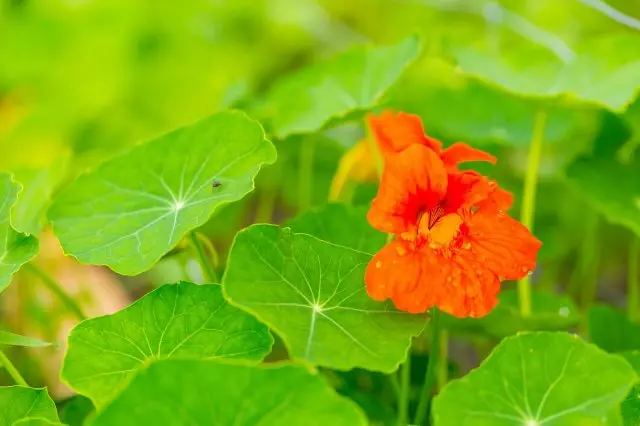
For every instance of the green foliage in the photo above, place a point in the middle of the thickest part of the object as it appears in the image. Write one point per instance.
(146, 200)
(611, 330)
(16, 248)
(170, 391)
(181, 320)
(543, 377)
(12, 339)
(25, 406)
(311, 292)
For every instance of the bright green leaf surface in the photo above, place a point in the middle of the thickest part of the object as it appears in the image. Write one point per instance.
(29, 213)
(611, 330)
(306, 100)
(133, 209)
(549, 312)
(554, 379)
(7, 338)
(342, 225)
(37, 421)
(631, 404)
(179, 392)
(617, 196)
(17, 403)
(184, 319)
(16, 249)
(312, 293)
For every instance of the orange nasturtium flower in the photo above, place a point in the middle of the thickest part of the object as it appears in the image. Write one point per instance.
(454, 242)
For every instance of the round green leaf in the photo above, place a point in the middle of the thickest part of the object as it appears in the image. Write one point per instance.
(312, 293)
(17, 403)
(631, 404)
(175, 392)
(178, 320)
(16, 248)
(342, 225)
(542, 378)
(8, 338)
(133, 209)
(611, 329)
(306, 100)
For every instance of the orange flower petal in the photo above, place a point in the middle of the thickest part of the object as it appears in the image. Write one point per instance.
(502, 244)
(394, 132)
(461, 153)
(413, 180)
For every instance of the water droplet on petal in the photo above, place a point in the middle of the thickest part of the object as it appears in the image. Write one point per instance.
(401, 251)
(378, 264)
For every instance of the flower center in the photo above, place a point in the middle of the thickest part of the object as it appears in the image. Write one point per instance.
(439, 228)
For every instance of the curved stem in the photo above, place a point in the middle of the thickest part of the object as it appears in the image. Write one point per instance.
(305, 182)
(442, 372)
(529, 202)
(633, 280)
(205, 263)
(57, 289)
(12, 370)
(430, 377)
(405, 385)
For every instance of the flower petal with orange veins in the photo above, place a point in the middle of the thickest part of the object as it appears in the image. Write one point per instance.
(502, 244)
(394, 132)
(461, 153)
(413, 180)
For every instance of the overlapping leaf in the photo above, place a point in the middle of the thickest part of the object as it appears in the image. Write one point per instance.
(538, 378)
(16, 248)
(184, 319)
(173, 392)
(19, 403)
(133, 209)
(306, 100)
(611, 330)
(311, 292)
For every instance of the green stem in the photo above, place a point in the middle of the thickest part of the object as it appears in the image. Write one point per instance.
(430, 377)
(633, 280)
(395, 385)
(268, 196)
(405, 387)
(12, 370)
(205, 262)
(305, 183)
(57, 289)
(529, 202)
(442, 373)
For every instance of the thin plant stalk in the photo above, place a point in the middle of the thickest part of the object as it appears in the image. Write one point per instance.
(633, 280)
(305, 183)
(442, 373)
(529, 202)
(205, 262)
(12, 370)
(405, 387)
(57, 289)
(432, 367)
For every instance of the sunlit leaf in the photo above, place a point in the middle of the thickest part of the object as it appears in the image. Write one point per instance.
(611, 330)
(11, 339)
(178, 320)
(306, 100)
(204, 392)
(37, 421)
(549, 312)
(29, 213)
(18, 403)
(133, 209)
(631, 404)
(538, 378)
(311, 292)
(617, 196)
(16, 249)
(342, 225)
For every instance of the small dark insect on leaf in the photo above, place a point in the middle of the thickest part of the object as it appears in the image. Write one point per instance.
(216, 183)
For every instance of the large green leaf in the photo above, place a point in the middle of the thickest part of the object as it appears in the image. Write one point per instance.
(312, 293)
(611, 330)
(549, 312)
(617, 196)
(16, 249)
(11, 339)
(37, 421)
(133, 209)
(179, 392)
(18, 403)
(178, 320)
(631, 404)
(342, 225)
(305, 101)
(550, 378)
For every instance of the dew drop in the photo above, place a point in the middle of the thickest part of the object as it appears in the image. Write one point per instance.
(466, 246)
(378, 264)
(563, 312)
(401, 251)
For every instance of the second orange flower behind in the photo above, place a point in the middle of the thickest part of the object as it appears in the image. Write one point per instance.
(454, 243)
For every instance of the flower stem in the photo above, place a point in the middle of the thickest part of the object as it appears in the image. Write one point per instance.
(205, 262)
(57, 289)
(633, 280)
(305, 183)
(442, 373)
(12, 370)
(529, 202)
(430, 377)
(405, 387)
